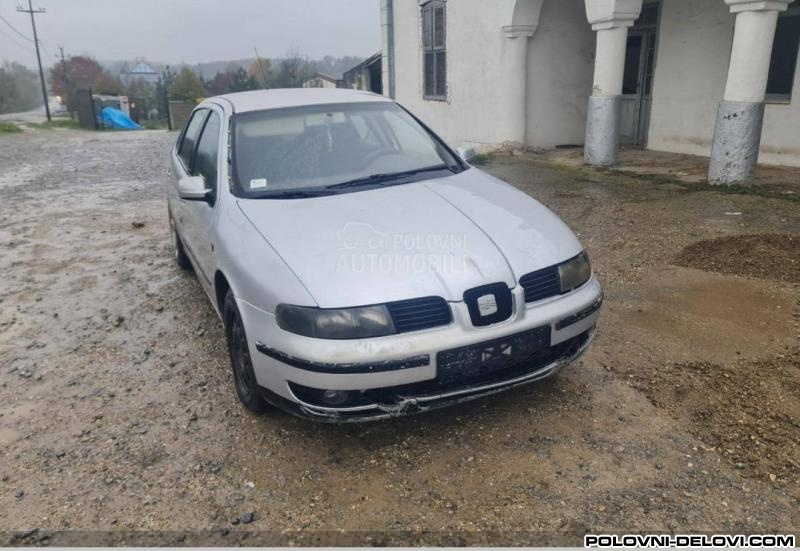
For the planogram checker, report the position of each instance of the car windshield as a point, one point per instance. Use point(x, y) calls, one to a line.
point(324, 149)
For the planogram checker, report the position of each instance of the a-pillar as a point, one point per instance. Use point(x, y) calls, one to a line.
point(737, 137)
point(515, 61)
point(610, 19)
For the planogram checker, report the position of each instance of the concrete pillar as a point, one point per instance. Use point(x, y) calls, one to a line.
point(611, 20)
point(515, 62)
point(387, 48)
point(737, 137)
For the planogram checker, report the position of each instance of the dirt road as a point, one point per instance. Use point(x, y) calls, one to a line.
point(118, 422)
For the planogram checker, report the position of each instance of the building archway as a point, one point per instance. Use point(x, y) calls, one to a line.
point(526, 13)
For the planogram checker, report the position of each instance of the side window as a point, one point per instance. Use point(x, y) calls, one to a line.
point(434, 50)
point(189, 141)
point(205, 162)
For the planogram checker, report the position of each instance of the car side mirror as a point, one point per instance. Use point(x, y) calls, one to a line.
point(466, 153)
point(193, 188)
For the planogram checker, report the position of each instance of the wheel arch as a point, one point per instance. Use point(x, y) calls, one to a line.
point(221, 288)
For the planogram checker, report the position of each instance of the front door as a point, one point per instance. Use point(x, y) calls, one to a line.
point(637, 81)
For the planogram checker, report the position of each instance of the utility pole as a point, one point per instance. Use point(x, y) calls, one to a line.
point(65, 99)
point(261, 65)
point(34, 12)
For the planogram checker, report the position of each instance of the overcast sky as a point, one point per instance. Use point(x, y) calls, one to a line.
point(190, 31)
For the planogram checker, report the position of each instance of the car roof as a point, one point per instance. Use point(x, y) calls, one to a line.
point(260, 100)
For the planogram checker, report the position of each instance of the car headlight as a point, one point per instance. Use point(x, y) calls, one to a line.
point(574, 273)
point(339, 323)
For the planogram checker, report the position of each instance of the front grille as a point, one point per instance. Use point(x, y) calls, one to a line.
point(420, 313)
point(541, 284)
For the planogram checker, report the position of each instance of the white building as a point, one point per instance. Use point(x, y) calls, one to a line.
point(686, 76)
point(321, 80)
point(142, 71)
point(367, 75)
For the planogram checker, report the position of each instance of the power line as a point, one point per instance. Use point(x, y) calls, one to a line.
point(13, 28)
point(46, 51)
point(13, 40)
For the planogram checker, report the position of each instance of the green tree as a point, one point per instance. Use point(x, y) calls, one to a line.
point(143, 95)
point(9, 96)
point(187, 86)
point(260, 70)
point(243, 82)
point(106, 84)
point(292, 71)
point(19, 89)
point(168, 77)
point(76, 73)
point(222, 83)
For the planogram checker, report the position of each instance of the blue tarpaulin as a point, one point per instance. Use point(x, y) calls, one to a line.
point(114, 118)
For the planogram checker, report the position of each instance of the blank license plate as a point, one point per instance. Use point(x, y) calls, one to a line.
point(478, 359)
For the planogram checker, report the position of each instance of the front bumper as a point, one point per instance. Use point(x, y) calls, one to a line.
point(403, 368)
point(413, 399)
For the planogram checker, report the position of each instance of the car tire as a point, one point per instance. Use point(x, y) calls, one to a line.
point(181, 258)
point(244, 378)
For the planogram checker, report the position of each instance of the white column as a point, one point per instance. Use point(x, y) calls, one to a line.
point(737, 137)
point(515, 62)
point(611, 20)
point(387, 48)
point(609, 63)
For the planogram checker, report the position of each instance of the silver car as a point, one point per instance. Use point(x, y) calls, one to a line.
point(361, 267)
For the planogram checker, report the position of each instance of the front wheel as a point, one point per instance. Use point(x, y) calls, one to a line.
point(244, 378)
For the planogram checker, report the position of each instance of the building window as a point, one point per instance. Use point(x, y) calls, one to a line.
point(434, 50)
point(784, 55)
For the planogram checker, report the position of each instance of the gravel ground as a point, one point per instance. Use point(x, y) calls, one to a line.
point(118, 422)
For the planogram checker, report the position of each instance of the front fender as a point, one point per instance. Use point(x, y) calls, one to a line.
point(255, 271)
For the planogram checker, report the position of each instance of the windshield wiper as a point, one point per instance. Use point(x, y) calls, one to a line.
point(294, 194)
point(378, 178)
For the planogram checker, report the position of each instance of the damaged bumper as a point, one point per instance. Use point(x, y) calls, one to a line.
point(413, 399)
point(414, 372)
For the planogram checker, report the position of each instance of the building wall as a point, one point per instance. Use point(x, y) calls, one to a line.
point(475, 48)
point(780, 143)
point(317, 82)
point(691, 69)
point(560, 69)
point(695, 40)
point(357, 80)
point(559, 75)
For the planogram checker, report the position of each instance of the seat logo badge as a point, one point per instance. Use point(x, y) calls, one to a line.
point(487, 305)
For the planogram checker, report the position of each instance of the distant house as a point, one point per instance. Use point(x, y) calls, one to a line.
point(142, 71)
point(321, 80)
point(367, 75)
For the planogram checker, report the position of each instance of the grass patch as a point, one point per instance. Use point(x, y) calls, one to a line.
point(755, 189)
point(480, 160)
point(641, 180)
point(154, 125)
point(9, 128)
point(57, 123)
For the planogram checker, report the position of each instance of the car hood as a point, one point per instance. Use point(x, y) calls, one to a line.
point(433, 238)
